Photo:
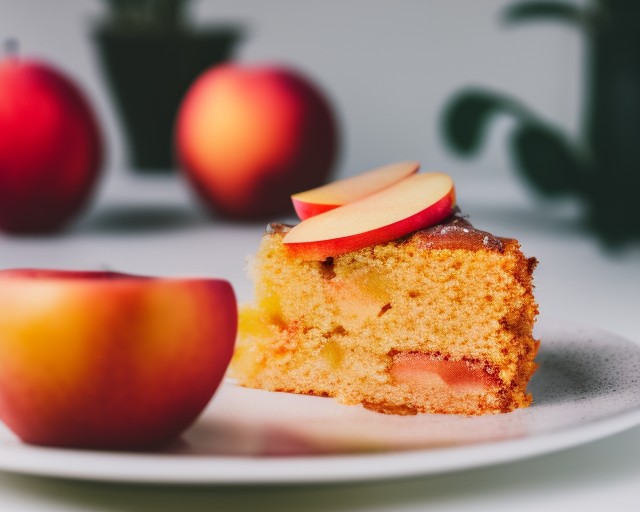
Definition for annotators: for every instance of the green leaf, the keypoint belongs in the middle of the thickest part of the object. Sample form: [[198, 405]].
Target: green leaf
[[559, 11], [548, 160], [465, 118]]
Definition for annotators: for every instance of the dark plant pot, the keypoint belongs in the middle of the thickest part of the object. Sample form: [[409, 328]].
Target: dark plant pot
[[148, 73]]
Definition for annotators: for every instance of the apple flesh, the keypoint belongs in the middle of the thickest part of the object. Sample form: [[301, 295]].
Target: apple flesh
[[249, 137], [110, 361], [50, 148], [327, 197], [421, 370], [413, 203]]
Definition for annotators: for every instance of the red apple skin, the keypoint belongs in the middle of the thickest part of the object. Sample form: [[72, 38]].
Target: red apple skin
[[249, 137], [306, 210], [104, 360], [50, 148], [321, 250]]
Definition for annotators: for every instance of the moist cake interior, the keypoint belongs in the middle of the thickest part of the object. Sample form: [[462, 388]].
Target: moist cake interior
[[438, 321]]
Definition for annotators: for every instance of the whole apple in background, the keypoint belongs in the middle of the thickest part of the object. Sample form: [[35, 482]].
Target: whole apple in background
[[413, 203], [50, 147], [110, 361], [249, 137]]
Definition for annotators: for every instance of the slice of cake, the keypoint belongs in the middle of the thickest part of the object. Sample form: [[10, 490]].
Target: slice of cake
[[438, 320]]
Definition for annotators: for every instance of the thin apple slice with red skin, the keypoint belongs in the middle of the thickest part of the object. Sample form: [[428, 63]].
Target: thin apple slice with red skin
[[327, 197], [413, 203]]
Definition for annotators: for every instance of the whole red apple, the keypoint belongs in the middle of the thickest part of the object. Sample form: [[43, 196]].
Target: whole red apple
[[50, 148], [110, 361], [249, 137]]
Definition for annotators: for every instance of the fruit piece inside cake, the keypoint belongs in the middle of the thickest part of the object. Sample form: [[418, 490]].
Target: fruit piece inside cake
[[438, 319]]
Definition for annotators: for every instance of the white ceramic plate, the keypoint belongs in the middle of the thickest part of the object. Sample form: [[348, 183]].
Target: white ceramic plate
[[587, 387]]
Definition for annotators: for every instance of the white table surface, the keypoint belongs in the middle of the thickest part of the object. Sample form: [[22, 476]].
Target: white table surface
[[151, 226]]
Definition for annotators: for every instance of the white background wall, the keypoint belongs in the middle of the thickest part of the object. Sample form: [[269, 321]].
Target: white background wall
[[389, 66]]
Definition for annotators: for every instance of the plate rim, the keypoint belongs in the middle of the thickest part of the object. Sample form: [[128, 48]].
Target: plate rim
[[149, 468], [317, 469]]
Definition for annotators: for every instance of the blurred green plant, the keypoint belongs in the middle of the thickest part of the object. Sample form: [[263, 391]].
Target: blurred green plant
[[602, 167]]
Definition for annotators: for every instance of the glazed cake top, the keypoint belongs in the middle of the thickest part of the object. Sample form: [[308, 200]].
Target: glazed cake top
[[455, 232]]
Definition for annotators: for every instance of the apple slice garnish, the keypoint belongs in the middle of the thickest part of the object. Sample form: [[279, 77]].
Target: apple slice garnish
[[413, 203], [327, 197]]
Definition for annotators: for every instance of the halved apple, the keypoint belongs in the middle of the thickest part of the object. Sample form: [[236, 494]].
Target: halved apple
[[413, 203], [106, 360], [322, 199]]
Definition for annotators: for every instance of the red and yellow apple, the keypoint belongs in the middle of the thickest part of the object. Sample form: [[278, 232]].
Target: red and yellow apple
[[107, 360], [249, 137], [413, 203], [50, 148], [332, 195]]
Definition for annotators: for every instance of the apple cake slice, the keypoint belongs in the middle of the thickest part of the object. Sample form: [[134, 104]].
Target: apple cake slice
[[391, 300], [439, 320]]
